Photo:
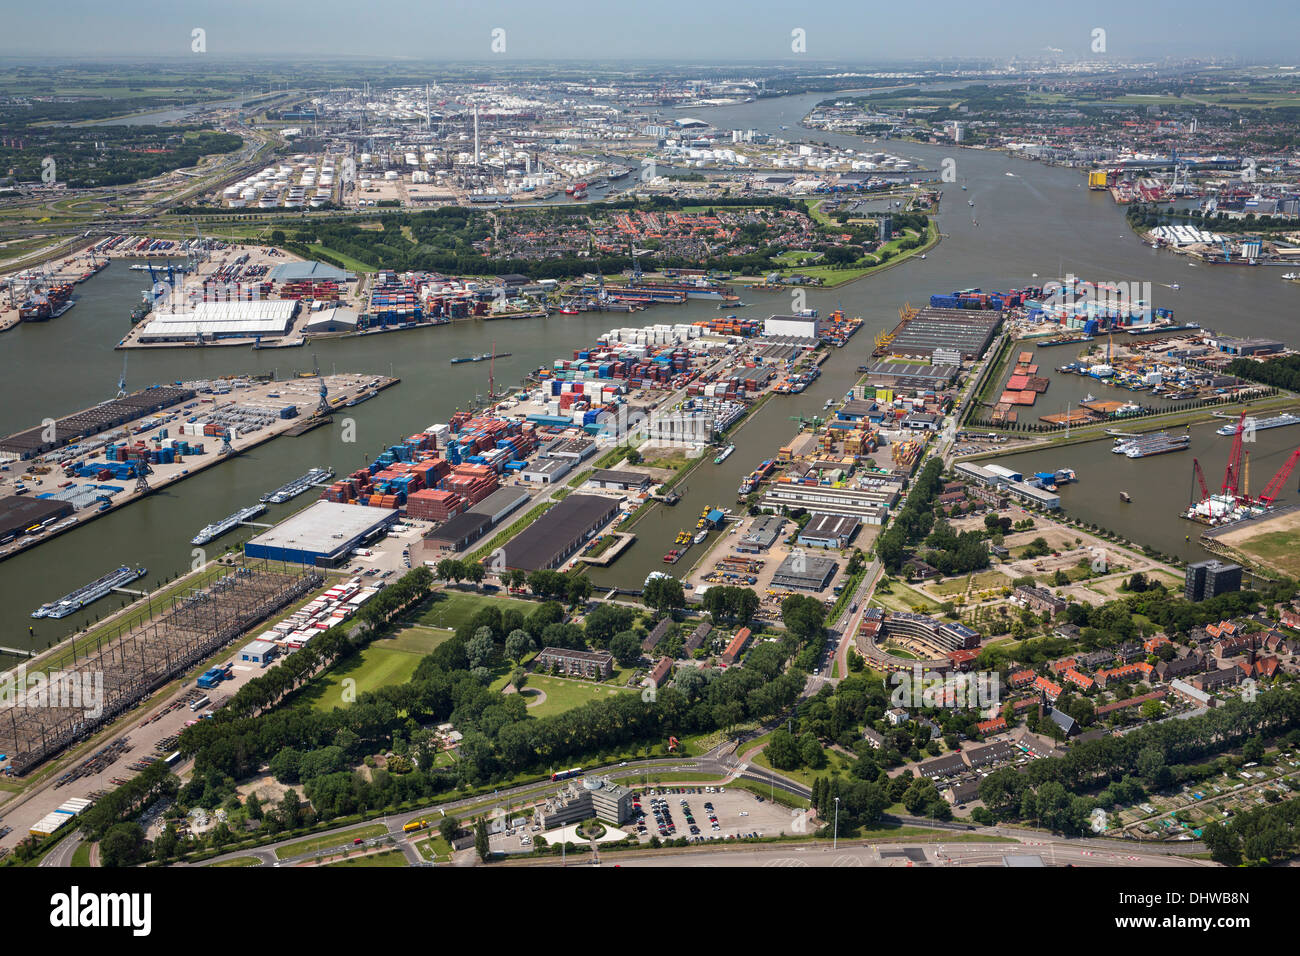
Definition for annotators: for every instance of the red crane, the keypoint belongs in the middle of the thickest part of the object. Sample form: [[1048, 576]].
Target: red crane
[[1274, 486], [1232, 474], [1199, 475]]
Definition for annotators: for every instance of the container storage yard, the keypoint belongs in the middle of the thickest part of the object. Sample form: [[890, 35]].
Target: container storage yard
[[55, 479]]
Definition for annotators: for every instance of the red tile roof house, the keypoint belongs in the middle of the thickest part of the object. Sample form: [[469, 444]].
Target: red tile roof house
[[1140, 670], [1021, 678], [994, 726], [1152, 644], [1052, 689], [1081, 681]]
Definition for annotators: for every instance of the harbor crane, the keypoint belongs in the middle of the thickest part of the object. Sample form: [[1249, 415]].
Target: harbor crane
[[121, 382], [1274, 486], [1232, 474], [323, 406]]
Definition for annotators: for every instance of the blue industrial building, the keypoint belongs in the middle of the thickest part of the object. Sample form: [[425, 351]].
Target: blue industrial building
[[322, 535]]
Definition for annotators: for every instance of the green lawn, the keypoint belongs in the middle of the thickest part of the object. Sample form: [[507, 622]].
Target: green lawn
[[386, 661], [81, 855], [386, 858], [240, 861], [563, 694], [451, 609], [329, 840], [903, 598]]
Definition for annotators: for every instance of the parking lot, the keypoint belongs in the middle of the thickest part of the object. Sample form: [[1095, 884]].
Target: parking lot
[[701, 814]]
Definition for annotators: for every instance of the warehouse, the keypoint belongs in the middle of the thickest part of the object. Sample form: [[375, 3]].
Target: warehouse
[[322, 535], [333, 320], [500, 503], [458, 533], [762, 534], [792, 326], [829, 531], [814, 573], [869, 504], [309, 272], [945, 331], [18, 514], [572, 450], [222, 320], [908, 375], [619, 480], [560, 532], [546, 471], [1035, 496]]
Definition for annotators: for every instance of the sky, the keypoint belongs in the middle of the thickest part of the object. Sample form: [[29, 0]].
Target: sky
[[689, 30]]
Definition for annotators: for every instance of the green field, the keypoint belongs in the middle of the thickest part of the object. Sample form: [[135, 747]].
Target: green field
[[903, 598], [450, 609], [563, 694], [329, 840], [387, 661], [240, 861], [387, 858]]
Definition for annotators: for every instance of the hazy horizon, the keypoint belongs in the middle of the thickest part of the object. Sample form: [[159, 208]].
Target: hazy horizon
[[583, 31]]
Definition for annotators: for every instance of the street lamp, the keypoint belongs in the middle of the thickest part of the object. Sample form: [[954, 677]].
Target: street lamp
[[836, 840]]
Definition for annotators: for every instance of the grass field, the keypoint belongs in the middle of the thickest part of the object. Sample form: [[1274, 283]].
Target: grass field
[[329, 840], [386, 858], [387, 661], [562, 694], [903, 598], [240, 861], [450, 609]]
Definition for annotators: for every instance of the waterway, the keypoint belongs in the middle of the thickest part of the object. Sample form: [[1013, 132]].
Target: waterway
[[1039, 223]]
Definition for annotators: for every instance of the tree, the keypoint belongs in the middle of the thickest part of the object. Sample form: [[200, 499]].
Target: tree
[[606, 620], [123, 845], [449, 828], [579, 589], [480, 647], [481, 840], [804, 617], [664, 594], [474, 571], [626, 648], [518, 643]]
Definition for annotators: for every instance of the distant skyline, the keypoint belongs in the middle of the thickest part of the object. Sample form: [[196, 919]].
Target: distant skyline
[[580, 30]]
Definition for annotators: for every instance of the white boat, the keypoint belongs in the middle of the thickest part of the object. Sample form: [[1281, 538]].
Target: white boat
[[700, 536], [1292, 276]]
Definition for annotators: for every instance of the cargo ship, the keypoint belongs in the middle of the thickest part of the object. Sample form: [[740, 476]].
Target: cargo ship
[[50, 304], [90, 593], [479, 358], [1259, 424], [753, 479], [1074, 340], [296, 487], [1144, 446], [724, 454], [357, 400], [218, 528]]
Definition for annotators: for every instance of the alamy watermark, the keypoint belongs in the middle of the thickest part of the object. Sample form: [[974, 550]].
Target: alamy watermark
[[1131, 299], [978, 690], [80, 690]]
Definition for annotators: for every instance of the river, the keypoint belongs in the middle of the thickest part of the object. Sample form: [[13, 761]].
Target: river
[[1040, 220]]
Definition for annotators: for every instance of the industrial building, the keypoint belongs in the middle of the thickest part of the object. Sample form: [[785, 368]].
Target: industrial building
[[500, 503], [938, 334], [906, 375], [560, 532], [1207, 579], [619, 480], [457, 534], [805, 572], [546, 471], [829, 531], [792, 326], [871, 505], [240, 319], [18, 514], [762, 534], [258, 652], [322, 535], [92, 421]]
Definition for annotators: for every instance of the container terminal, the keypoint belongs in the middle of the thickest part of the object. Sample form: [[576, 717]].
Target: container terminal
[[97, 460]]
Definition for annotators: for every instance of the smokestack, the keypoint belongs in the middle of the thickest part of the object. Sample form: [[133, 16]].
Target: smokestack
[[476, 135]]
